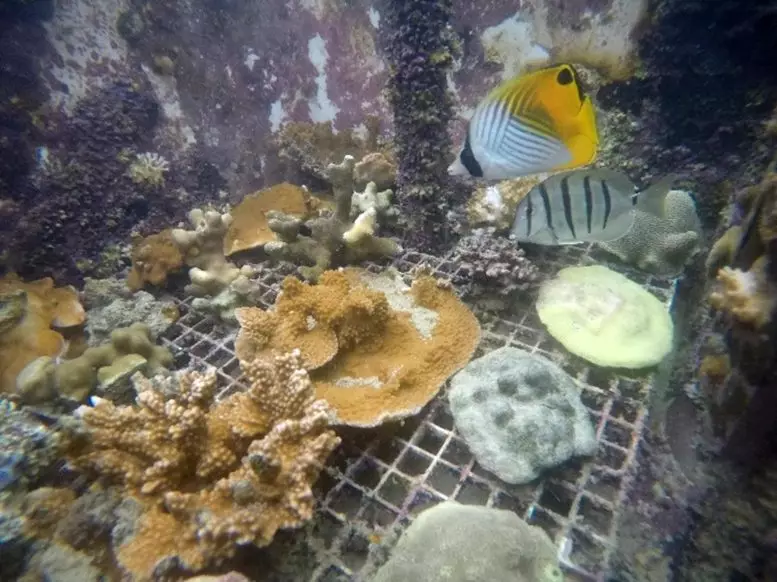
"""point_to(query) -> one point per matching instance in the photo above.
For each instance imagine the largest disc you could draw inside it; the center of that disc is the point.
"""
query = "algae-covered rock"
(605, 318)
(462, 543)
(143, 307)
(519, 414)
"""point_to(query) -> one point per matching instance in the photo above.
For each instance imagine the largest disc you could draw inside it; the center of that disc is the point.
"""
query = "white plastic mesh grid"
(374, 482)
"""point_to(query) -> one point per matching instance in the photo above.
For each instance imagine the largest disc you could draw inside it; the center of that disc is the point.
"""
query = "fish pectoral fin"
(651, 200)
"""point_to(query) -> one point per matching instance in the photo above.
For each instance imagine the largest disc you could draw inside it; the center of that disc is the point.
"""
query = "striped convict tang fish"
(580, 206)
(538, 122)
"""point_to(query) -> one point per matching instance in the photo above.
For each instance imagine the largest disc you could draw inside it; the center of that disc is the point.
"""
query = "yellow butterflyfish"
(538, 122)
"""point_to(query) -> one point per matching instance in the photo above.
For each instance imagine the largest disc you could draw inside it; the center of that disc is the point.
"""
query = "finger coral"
(378, 350)
(30, 315)
(130, 349)
(208, 476)
(335, 240)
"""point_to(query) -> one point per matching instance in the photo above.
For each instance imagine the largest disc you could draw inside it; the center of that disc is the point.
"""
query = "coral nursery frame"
(380, 480)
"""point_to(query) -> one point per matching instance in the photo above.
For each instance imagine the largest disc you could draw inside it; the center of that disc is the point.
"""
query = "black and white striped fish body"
(538, 122)
(584, 206)
(504, 146)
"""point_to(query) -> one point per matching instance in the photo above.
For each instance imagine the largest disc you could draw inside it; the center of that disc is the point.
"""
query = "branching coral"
(210, 477)
(380, 350)
(202, 250)
(491, 265)
(310, 147)
(330, 241)
(748, 296)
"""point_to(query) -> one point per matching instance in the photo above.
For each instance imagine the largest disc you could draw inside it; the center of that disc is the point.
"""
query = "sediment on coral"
(208, 476)
(419, 45)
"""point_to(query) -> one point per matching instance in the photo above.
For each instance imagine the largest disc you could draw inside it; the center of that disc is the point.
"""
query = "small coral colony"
(203, 472)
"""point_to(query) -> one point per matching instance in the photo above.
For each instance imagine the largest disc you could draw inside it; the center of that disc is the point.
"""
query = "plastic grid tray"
(375, 483)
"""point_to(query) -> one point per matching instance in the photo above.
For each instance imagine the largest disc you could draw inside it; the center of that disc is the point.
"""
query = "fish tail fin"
(651, 200)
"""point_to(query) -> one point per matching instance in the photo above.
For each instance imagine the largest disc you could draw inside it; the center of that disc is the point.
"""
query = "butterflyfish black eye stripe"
(529, 211)
(469, 161)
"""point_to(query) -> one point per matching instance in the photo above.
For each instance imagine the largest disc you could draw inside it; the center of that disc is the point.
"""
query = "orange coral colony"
(30, 314)
(249, 228)
(208, 477)
(153, 258)
(394, 349)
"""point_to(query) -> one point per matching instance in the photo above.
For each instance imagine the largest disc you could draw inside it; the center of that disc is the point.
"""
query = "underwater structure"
(252, 328)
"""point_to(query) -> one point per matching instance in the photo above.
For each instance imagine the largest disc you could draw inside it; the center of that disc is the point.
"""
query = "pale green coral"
(605, 318)
(148, 168)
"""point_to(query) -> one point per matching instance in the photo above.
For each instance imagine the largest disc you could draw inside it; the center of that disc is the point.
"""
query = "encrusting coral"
(32, 315)
(330, 241)
(130, 349)
(249, 228)
(605, 318)
(377, 350)
(208, 476)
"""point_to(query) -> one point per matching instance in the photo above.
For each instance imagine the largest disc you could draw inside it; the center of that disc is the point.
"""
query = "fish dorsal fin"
(651, 200)
(617, 181)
